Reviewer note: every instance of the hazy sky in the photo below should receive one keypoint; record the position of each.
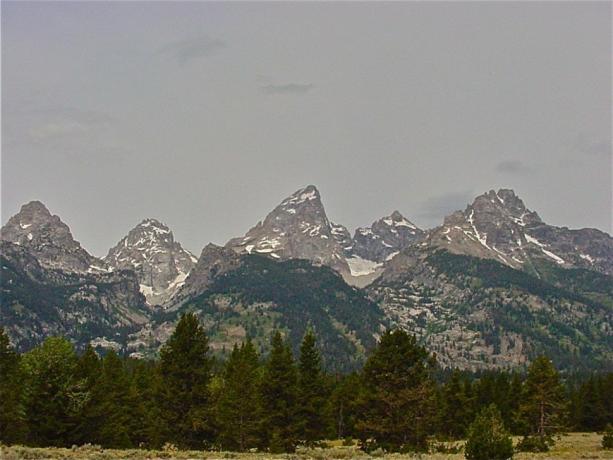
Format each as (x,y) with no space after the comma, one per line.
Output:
(206,115)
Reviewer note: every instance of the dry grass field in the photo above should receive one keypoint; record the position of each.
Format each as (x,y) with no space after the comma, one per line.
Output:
(573,446)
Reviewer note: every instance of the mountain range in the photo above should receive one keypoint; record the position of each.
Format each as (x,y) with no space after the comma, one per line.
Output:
(492,286)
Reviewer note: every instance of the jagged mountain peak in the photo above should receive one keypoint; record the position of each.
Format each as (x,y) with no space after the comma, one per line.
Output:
(297,228)
(214,260)
(395,219)
(498,225)
(161,263)
(153,227)
(151,222)
(302,195)
(34,207)
(507,203)
(384,238)
(49,239)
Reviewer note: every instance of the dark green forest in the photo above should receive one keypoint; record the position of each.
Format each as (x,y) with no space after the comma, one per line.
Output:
(400,400)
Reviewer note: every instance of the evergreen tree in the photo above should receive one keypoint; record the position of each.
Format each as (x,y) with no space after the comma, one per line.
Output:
(183,393)
(454,407)
(472,408)
(279,393)
(543,404)
(311,392)
(515,395)
(87,373)
(593,410)
(607,438)
(117,408)
(487,437)
(344,404)
(239,411)
(12,412)
(54,398)
(397,409)
(145,381)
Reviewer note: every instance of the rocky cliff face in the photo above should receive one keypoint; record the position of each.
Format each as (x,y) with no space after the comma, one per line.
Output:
(479,313)
(239,295)
(298,228)
(161,264)
(38,301)
(52,286)
(494,286)
(49,240)
(385,237)
(213,262)
(497,225)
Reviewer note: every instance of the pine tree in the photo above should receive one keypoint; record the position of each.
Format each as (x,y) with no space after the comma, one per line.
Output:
(344,405)
(543,404)
(593,411)
(145,381)
(12,414)
(607,438)
(397,410)
(279,397)
(87,373)
(311,392)
(54,397)
(239,406)
(515,395)
(472,408)
(454,410)
(183,393)
(488,439)
(117,407)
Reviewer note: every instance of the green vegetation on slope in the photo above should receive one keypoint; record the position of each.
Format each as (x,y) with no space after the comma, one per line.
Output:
(263,294)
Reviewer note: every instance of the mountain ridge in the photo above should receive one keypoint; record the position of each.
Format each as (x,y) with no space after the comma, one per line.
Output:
(490,287)
(160,262)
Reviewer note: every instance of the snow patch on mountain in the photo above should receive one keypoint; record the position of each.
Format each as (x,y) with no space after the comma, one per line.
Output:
(161,263)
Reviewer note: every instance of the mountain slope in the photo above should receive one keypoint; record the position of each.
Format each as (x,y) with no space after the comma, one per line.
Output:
(494,286)
(252,295)
(480,313)
(298,228)
(497,225)
(49,240)
(37,302)
(159,261)
(385,237)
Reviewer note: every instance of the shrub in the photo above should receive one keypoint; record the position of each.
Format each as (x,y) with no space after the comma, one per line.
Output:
(487,437)
(534,444)
(607,439)
(348,441)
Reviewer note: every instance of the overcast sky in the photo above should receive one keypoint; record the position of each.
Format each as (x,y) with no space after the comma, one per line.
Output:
(206,115)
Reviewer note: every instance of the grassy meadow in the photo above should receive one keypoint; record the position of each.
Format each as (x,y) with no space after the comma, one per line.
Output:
(572,446)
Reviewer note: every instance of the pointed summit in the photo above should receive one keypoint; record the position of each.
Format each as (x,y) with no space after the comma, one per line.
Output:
(498,225)
(303,195)
(297,228)
(160,262)
(48,239)
(34,208)
(214,261)
(506,204)
(385,237)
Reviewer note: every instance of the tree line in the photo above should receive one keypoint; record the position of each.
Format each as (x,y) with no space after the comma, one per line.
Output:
(398,401)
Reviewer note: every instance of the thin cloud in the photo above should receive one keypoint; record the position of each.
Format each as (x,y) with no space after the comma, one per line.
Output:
(512,167)
(288,88)
(583,144)
(187,50)
(434,209)
(61,122)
